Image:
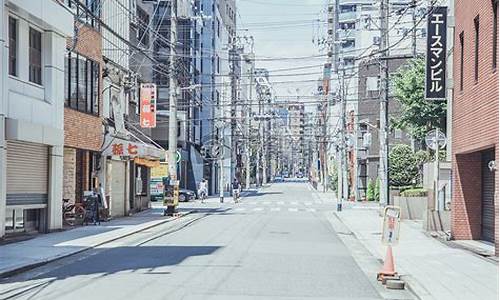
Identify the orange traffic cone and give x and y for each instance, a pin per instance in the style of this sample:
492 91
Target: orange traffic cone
388 268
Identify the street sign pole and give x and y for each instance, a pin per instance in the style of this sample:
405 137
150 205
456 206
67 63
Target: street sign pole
436 171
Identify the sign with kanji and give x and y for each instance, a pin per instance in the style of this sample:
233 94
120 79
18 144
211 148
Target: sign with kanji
124 149
435 79
390 231
148 105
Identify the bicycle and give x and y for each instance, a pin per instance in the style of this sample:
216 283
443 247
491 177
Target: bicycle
72 213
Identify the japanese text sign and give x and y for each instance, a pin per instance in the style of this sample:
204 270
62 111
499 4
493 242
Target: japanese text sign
435 79
390 231
148 105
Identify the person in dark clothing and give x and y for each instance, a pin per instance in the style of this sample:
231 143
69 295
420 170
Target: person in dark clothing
236 189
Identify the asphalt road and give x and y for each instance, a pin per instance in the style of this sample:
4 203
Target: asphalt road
276 244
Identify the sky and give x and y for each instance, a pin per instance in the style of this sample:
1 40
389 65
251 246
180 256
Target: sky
286 28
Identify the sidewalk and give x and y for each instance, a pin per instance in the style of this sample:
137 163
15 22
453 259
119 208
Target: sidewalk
431 269
19 256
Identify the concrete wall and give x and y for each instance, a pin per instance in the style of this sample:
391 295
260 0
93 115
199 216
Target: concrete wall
32 112
412 208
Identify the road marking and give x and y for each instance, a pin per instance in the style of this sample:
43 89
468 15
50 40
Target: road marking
295 203
275 209
281 202
293 209
258 209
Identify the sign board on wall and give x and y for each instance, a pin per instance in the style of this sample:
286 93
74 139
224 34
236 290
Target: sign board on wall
148 105
436 54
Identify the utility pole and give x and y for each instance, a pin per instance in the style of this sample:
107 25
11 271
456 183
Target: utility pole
249 121
384 103
172 120
414 30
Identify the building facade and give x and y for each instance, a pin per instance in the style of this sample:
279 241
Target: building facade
32 43
83 130
475 122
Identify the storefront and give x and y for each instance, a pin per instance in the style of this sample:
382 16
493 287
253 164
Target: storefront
127 174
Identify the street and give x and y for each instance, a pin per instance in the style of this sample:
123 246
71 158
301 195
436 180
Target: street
276 244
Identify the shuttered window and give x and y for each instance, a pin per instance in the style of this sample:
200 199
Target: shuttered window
27 173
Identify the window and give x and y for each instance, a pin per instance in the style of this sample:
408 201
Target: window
12 46
81 88
35 56
142 31
476 48
495 33
94 6
461 61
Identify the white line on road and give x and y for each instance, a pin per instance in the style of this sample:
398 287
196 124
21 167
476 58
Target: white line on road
258 209
293 209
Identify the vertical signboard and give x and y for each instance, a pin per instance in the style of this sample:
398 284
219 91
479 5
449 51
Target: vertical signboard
435 79
390 230
327 74
148 105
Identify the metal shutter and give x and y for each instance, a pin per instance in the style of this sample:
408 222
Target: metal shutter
487 198
27 173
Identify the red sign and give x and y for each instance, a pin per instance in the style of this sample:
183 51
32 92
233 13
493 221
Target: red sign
121 149
148 105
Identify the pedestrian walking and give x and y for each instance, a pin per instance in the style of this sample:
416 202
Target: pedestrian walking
236 185
203 190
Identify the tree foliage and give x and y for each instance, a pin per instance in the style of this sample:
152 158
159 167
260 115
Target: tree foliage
370 191
418 115
402 166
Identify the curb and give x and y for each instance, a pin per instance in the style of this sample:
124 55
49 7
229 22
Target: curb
408 283
22 269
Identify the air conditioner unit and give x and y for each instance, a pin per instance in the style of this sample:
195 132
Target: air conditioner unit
376 40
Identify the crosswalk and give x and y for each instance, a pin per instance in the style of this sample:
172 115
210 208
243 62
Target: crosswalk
274 209
310 205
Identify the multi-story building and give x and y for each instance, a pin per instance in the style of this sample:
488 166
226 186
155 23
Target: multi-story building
368 149
218 33
83 130
357 32
32 43
475 122
296 125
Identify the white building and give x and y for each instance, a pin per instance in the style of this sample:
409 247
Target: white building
33 43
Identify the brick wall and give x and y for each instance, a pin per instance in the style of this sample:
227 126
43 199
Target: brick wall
475 115
81 130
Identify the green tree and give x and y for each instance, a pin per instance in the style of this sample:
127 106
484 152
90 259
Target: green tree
418 115
370 191
402 165
377 189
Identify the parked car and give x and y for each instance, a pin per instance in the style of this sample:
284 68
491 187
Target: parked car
278 178
285 175
300 175
186 195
